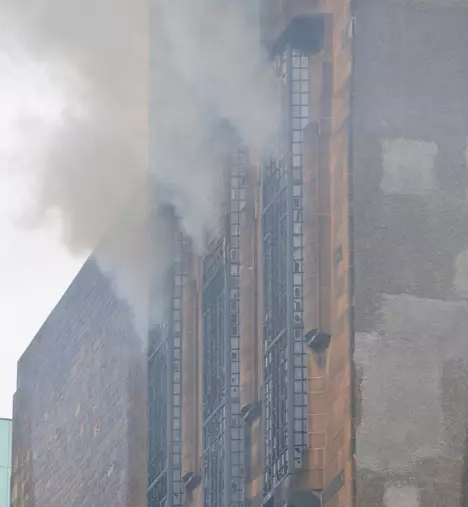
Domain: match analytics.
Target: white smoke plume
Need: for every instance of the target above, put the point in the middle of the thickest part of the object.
(145, 86)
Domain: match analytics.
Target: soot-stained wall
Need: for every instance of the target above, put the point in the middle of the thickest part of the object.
(79, 410)
(410, 144)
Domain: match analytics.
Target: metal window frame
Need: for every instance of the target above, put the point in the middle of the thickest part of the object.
(226, 415)
(166, 341)
(291, 373)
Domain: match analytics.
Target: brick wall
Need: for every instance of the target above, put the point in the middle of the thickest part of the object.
(79, 415)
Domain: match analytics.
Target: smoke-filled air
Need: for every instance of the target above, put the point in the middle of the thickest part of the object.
(140, 97)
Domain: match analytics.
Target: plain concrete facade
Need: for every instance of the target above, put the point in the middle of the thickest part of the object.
(410, 132)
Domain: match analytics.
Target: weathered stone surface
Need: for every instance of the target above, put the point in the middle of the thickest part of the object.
(79, 414)
(411, 236)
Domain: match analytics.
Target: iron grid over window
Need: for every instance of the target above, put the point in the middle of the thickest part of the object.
(285, 357)
(214, 372)
(157, 418)
(222, 429)
(164, 369)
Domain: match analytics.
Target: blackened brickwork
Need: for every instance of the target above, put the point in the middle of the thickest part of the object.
(79, 413)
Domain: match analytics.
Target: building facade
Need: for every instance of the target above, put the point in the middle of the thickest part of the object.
(250, 371)
(316, 353)
(410, 132)
(79, 436)
(322, 335)
(5, 461)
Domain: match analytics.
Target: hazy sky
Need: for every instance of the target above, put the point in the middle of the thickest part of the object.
(35, 269)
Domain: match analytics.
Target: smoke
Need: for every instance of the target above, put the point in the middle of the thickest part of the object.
(143, 97)
(135, 254)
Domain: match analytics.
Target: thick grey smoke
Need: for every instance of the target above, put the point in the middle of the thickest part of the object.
(203, 61)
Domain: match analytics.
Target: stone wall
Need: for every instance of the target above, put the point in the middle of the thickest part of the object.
(79, 432)
(410, 144)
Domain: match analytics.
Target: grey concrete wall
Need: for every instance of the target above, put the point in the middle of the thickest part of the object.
(410, 128)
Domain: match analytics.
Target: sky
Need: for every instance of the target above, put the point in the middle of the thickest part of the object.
(35, 268)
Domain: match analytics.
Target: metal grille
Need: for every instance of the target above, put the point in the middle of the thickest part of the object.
(214, 431)
(180, 276)
(157, 494)
(164, 368)
(285, 359)
(223, 433)
(275, 329)
(300, 119)
(157, 419)
(237, 165)
(214, 373)
(276, 410)
(213, 332)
